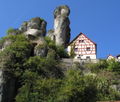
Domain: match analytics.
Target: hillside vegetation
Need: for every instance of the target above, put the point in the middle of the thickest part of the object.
(41, 78)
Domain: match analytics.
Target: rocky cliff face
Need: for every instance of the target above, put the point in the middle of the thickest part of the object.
(61, 32)
(5, 44)
(35, 31)
(35, 27)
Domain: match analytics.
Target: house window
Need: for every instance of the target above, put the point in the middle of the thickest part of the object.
(76, 49)
(88, 48)
(87, 57)
(79, 56)
(81, 41)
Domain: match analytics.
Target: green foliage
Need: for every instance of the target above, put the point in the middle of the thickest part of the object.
(60, 50)
(74, 87)
(10, 30)
(40, 79)
(45, 67)
(105, 91)
(51, 54)
(77, 88)
(40, 90)
(42, 46)
(96, 67)
(50, 43)
(13, 31)
(111, 65)
(14, 38)
(72, 52)
(13, 56)
(24, 95)
(114, 66)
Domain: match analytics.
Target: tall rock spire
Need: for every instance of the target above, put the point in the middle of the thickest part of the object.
(61, 32)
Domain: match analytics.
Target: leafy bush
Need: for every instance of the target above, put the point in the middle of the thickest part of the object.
(13, 56)
(60, 50)
(114, 66)
(10, 30)
(72, 52)
(39, 90)
(78, 88)
(45, 67)
(13, 31)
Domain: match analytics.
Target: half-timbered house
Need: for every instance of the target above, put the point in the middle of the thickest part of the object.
(83, 47)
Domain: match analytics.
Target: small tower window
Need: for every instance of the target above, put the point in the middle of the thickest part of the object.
(88, 48)
(81, 41)
(87, 57)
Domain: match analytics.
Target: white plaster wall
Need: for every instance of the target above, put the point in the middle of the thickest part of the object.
(84, 57)
(92, 56)
(118, 58)
(110, 57)
(69, 49)
(82, 48)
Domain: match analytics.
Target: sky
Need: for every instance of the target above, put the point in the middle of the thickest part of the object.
(97, 19)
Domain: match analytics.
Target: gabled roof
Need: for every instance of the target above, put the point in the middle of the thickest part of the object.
(78, 36)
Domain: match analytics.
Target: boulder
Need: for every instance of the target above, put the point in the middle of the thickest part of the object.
(51, 35)
(34, 32)
(41, 48)
(35, 27)
(5, 44)
(23, 27)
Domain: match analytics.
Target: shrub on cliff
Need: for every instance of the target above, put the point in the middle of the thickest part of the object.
(60, 50)
(45, 67)
(40, 79)
(14, 55)
(114, 66)
(74, 87)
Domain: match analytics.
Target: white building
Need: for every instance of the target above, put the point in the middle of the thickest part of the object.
(83, 47)
(118, 57)
(110, 57)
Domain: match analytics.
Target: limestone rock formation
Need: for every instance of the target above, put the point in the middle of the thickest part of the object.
(35, 30)
(61, 32)
(35, 27)
(40, 49)
(5, 44)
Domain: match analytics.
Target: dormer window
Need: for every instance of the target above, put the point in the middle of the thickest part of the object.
(81, 41)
